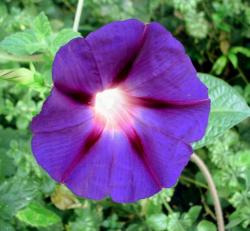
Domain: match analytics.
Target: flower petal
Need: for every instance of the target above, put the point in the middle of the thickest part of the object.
(114, 47)
(54, 151)
(113, 164)
(166, 155)
(163, 71)
(148, 162)
(187, 123)
(91, 177)
(112, 168)
(59, 112)
(75, 69)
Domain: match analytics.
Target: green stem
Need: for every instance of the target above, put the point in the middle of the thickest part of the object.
(167, 206)
(170, 211)
(207, 208)
(242, 75)
(67, 4)
(78, 15)
(190, 180)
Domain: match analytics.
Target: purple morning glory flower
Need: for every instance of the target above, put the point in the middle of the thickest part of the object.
(125, 106)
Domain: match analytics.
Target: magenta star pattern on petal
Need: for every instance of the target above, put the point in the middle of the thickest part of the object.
(125, 107)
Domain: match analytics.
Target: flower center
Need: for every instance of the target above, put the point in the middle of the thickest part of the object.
(110, 106)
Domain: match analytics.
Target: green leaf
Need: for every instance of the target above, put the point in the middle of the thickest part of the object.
(247, 93)
(7, 167)
(228, 108)
(3, 12)
(153, 205)
(242, 50)
(219, 65)
(240, 216)
(90, 217)
(21, 43)
(62, 38)
(136, 227)
(6, 226)
(157, 222)
(29, 41)
(190, 217)
(174, 222)
(205, 225)
(15, 193)
(42, 26)
(38, 216)
(233, 59)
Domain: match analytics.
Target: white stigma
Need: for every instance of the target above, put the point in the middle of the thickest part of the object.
(109, 105)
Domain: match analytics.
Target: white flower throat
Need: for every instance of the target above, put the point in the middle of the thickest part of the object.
(111, 106)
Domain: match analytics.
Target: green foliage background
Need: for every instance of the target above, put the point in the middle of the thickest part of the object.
(216, 35)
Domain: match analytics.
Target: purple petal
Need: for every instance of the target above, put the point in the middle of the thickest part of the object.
(115, 46)
(54, 151)
(59, 112)
(131, 178)
(187, 123)
(117, 166)
(166, 155)
(112, 168)
(147, 161)
(75, 69)
(163, 71)
(126, 167)
(91, 176)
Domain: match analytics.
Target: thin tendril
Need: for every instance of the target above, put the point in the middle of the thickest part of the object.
(78, 15)
(212, 188)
